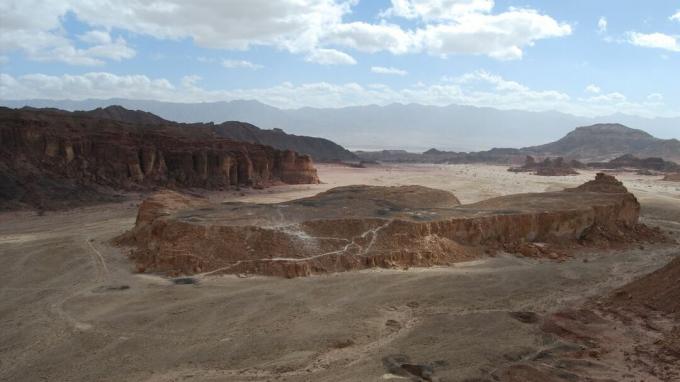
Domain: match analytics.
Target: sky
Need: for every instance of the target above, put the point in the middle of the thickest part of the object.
(584, 57)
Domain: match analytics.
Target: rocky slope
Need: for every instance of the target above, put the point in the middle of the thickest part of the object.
(632, 333)
(320, 149)
(47, 156)
(632, 162)
(608, 141)
(359, 227)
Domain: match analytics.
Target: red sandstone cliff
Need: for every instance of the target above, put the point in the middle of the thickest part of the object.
(44, 148)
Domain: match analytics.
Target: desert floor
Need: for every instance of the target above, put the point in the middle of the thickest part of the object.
(71, 309)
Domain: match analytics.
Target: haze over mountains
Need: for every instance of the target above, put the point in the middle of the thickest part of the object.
(319, 148)
(602, 142)
(413, 127)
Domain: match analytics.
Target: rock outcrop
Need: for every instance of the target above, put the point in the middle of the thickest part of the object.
(548, 167)
(631, 333)
(88, 152)
(359, 227)
(631, 162)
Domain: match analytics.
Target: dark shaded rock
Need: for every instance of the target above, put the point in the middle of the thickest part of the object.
(525, 317)
(48, 156)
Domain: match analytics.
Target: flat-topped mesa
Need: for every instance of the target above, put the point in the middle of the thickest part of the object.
(360, 227)
(138, 156)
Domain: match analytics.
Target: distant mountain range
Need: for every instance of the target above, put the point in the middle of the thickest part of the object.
(413, 127)
(607, 141)
(596, 143)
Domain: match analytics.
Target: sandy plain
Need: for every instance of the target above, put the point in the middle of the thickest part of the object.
(72, 309)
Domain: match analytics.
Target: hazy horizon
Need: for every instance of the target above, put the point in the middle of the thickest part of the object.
(451, 128)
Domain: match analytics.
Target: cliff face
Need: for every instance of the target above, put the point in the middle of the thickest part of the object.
(320, 149)
(360, 227)
(89, 152)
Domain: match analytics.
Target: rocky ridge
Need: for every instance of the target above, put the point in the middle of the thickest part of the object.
(597, 143)
(48, 155)
(320, 149)
(358, 227)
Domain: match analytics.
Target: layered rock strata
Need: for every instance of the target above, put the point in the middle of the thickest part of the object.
(360, 227)
(37, 144)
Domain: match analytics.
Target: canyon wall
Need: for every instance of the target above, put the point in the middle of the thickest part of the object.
(98, 152)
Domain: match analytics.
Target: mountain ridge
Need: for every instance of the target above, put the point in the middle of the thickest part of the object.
(415, 127)
(320, 149)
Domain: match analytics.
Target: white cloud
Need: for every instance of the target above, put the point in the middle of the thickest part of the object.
(314, 28)
(293, 25)
(34, 28)
(602, 25)
(240, 64)
(390, 70)
(676, 16)
(190, 81)
(89, 85)
(593, 89)
(372, 38)
(96, 37)
(330, 57)
(608, 98)
(478, 88)
(655, 97)
(654, 40)
(501, 36)
(436, 9)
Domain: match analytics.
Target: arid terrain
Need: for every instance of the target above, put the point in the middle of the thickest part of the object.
(72, 307)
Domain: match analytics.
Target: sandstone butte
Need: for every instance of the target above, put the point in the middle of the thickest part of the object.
(60, 146)
(359, 227)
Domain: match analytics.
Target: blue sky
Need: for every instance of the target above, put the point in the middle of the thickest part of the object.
(581, 57)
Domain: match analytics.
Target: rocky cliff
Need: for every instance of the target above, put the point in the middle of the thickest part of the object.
(320, 149)
(44, 151)
(359, 227)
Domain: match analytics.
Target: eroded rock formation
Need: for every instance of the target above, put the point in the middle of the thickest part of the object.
(89, 151)
(548, 167)
(631, 162)
(672, 177)
(359, 227)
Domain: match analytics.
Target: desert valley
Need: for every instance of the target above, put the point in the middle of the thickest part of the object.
(182, 255)
(339, 191)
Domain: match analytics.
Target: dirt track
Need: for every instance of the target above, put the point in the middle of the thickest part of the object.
(66, 314)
